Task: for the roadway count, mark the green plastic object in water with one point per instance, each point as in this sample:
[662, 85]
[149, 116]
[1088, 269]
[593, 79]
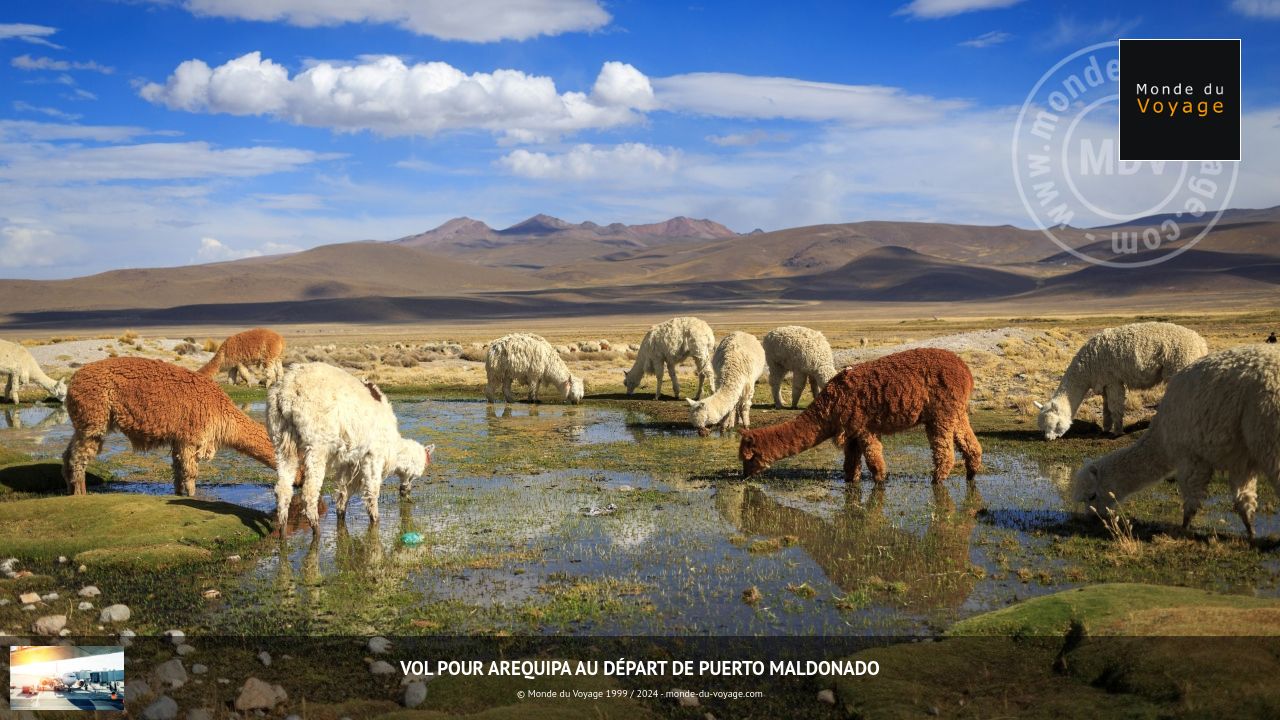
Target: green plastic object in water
[411, 538]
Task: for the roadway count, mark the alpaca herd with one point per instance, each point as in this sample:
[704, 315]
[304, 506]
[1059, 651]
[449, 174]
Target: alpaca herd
[1220, 412]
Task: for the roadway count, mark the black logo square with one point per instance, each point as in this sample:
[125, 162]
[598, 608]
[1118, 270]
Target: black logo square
[1180, 100]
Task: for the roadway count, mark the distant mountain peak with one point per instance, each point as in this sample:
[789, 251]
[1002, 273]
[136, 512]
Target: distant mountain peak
[685, 227]
[537, 225]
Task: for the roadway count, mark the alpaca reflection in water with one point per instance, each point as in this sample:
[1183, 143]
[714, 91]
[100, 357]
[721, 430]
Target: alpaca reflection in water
[859, 548]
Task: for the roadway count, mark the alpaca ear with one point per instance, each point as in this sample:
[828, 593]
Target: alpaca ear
[429, 450]
[1039, 405]
[692, 403]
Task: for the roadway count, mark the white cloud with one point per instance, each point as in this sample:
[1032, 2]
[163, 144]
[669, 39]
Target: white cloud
[747, 139]
[34, 34]
[750, 96]
[43, 163]
[80, 94]
[214, 250]
[987, 39]
[475, 21]
[1258, 8]
[26, 62]
[628, 161]
[289, 201]
[933, 9]
[23, 106]
[27, 245]
[388, 97]
[37, 131]
[1070, 31]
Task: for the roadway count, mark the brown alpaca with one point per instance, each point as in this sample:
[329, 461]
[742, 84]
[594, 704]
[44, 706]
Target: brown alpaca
[927, 387]
[259, 346]
[156, 404]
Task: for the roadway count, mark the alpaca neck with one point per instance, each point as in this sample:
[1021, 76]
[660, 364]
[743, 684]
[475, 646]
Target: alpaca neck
[37, 376]
[1073, 388]
[1137, 466]
[725, 398]
[244, 435]
[214, 365]
[789, 438]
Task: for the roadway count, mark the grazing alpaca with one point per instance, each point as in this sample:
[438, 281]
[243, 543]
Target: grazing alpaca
[668, 344]
[1221, 413]
[532, 360]
[155, 404]
[802, 352]
[259, 346]
[322, 417]
[17, 363]
[738, 363]
[885, 396]
[1136, 357]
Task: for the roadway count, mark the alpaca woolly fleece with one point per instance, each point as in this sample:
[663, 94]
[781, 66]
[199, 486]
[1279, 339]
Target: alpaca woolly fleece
[1222, 413]
[156, 404]
[322, 418]
[801, 351]
[259, 347]
[1128, 357]
[531, 360]
[738, 363]
[668, 344]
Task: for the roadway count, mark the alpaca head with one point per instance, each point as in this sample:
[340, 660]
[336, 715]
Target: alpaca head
[700, 416]
[573, 390]
[752, 461]
[412, 459]
[1055, 417]
[631, 379]
[59, 391]
[1092, 486]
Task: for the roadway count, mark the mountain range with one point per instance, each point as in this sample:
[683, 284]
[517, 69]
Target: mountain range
[545, 266]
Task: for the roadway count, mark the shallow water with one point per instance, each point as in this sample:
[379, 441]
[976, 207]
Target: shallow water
[514, 550]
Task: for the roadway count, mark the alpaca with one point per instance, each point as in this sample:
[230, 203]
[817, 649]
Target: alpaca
[1220, 413]
[531, 359]
[321, 417]
[1136, 356]
[666, 345]
[804, 353]
[16, 362]
[884, 396]
[154, 404]
[738, 363]
[259, 346]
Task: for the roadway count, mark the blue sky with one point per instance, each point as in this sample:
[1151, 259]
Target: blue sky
[176, 131]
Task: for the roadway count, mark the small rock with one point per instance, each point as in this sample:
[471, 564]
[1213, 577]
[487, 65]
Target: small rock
[164, 708]
[256, 694]
[292, 717]
[22, 574]
[9, 566]
[114, 613]
[827, 697]
[381, 667]
[198, 669]
[4, 601]
[233, 558]
[49, 624]
[83, 568]
[185, 649]
[62, 559]
[415, 694]
[223, 681]
[212, 594]
[379, 645]
[709, 716]
[137, 690]
[200, 714]
[933, 710]
[90, 591]
[29, 598]
[49, 597]
[171, 673]
[64, 632]
[85, 605]
[28, 608]
[264, 657]
[625, 488]
[686, 699]
[175, 636]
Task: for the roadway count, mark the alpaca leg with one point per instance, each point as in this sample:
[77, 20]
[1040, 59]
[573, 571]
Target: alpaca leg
[245, 376]
[873, 451]
[1193, 485]
[506, 390]
[313, 470]
[970, 448]
[853, 451]
[675, 382]
[658, 369]
[11, 389]
[79, 452]
[288, 475]
[371, 478]
[185, 469]
[797, 388]
[815, 387]
[1113, 397]
[944, 451]
[342, 491]
[744, 406]
[489, 389]
[1245, 489]
[776, 376]
[703, 376]
[535, 386]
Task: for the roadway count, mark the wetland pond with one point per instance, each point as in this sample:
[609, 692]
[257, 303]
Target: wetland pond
[510, 544]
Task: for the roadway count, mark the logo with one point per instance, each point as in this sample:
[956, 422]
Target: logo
[1095, 206]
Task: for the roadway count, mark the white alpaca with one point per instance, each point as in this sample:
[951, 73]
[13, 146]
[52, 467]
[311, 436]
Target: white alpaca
[324, 418]
[668, 344]
[802, 352]
[531, 360]
[1129, 357]
[738, 363]
[1221, 413]
[17, 363]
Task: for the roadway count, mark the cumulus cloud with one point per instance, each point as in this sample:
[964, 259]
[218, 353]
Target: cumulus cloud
[1258, 8]
[26, 62]
[214, 250]
[589, 162]
[387, 96]
[475, 21]
[933, 9]
[750, 96]
[44, 163]
[987, 39]
[29, 245]
[34, 34]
